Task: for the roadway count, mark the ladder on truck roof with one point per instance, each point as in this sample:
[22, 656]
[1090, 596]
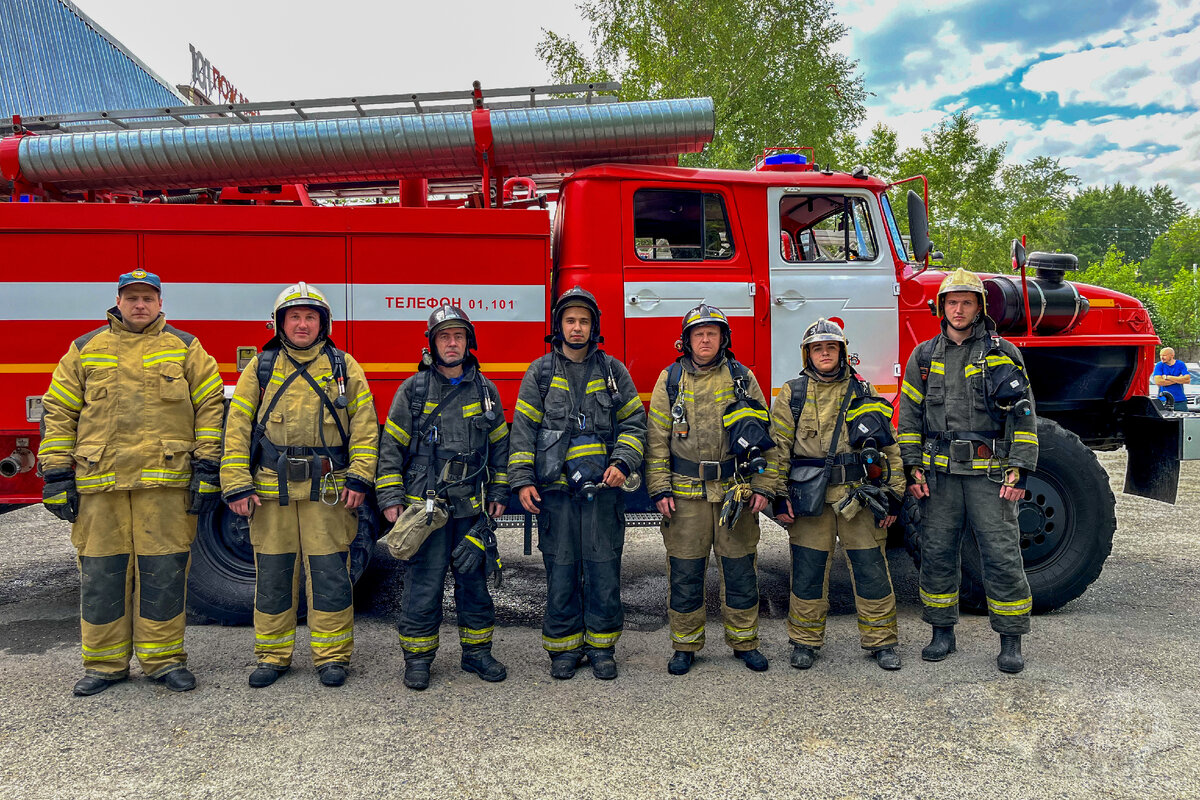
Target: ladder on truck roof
[381, 105]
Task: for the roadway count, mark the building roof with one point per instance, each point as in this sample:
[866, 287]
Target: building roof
[57, 60]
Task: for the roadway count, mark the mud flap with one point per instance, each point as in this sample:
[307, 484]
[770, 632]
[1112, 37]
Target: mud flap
[1156, 441]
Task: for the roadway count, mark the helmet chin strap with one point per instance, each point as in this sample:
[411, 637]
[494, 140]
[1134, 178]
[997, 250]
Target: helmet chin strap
[574, 346]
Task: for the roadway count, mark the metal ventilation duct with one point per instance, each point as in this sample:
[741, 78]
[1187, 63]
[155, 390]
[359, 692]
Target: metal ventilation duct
[432, 145]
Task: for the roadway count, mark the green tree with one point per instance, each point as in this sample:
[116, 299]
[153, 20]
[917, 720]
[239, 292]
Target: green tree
[1180, 306]
[1112, 271]
[964, 194]
[771, 67]
[1123, 216]
[1034, 199]
[1178, 248]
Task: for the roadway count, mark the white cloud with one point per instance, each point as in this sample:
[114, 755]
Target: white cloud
[1162, 71]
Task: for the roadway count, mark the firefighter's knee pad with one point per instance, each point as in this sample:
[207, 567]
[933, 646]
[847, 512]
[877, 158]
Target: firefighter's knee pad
[102, 588]
[870, 574]
[330, 583]
[741, 581]
[687, 584]
[163, 580]
[808, 572]
[273, 585]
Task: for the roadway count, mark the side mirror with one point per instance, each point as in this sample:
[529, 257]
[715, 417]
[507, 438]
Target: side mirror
[1018, 255]
[918, 226]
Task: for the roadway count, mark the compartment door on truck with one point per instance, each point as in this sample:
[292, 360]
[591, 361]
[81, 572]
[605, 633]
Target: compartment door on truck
[829, 258]
[680, 250]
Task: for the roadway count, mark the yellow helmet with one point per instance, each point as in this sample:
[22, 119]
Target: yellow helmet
[961, 280]
[303, 294]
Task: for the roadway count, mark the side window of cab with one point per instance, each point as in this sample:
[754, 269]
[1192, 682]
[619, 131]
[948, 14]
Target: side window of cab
[681, 225]
[826, 228]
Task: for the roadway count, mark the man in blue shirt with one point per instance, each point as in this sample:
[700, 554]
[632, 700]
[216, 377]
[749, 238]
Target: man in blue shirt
[1170, 375]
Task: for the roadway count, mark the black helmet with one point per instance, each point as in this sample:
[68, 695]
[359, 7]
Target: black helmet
[576, 296]
[823, 330]
[448, 316]
[704, 314]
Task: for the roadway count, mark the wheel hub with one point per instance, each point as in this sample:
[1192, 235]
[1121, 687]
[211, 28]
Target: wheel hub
[1044, 520]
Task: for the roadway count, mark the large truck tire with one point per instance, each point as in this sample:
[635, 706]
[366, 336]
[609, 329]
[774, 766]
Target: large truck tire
[1067, 521]
[221, 581]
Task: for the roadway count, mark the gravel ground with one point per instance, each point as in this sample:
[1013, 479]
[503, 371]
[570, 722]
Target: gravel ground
[1108, 707]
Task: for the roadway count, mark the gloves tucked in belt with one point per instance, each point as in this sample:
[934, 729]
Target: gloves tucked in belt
[479, 548]
[59, 494]
[205, 488]
[734, 501]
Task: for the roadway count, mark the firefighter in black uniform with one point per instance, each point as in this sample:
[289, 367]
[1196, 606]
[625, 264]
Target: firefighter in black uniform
[968, 438]
[579, 432]
[445, 443]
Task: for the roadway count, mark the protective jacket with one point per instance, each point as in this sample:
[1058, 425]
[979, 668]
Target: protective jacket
[300, 420]
[456, 445]
[131, 410]
[705, 394]
[944, 397]
[614, 413]
[810, 436]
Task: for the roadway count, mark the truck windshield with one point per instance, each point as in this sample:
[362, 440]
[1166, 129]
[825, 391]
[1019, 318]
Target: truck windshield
[893, 230]
[826, 227]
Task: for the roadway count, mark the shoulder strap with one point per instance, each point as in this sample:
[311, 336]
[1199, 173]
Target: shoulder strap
[740, 375]
[545, 375]
[418, 393]
[799, 396]
[674, 375]
[925, 357]
[266, 365]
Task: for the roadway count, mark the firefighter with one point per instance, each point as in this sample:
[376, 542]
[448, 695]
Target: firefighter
[446, 442]
[132, 433]
[812, 417]
[579, 432]
[301, 444]
[968, 438]
[694, 475]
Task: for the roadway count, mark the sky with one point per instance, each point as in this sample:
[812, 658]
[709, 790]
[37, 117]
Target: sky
[1109, 87]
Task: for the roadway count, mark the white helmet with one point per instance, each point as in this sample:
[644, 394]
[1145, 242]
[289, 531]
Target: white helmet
[304, 294]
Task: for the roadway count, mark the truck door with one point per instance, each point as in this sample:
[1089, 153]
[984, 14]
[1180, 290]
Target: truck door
[680, 250]
[829, 258]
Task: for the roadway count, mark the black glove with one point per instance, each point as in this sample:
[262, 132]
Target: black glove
[205, 488]
[479, 548]
[59, 495]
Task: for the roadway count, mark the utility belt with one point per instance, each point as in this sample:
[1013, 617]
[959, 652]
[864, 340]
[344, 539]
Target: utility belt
[704, 470]
[300, 464]
[846, 468]
[453, 468]
[979, 452]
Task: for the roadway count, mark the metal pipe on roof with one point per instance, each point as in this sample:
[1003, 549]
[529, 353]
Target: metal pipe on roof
[526, 141]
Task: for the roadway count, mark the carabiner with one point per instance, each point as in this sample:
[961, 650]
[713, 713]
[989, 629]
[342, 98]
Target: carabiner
[329, 488]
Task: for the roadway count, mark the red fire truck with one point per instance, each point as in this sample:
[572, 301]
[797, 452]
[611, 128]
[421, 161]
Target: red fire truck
[228, 206]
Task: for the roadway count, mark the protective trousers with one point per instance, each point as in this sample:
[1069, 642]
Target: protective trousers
[134, 551]
[812, 542]
[321, 535]
[581, 543]
[954, 502]
[691, 532]
[425, 586]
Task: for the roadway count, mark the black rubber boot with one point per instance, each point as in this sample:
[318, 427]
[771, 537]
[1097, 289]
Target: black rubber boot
[1010, 658]
[563, 665]
[179, 680]
[941, 645]
[93, 684]
[604, 663]
[480, 661]
[265, 675]
[887, 658]
[753, 659]
[332, 674]
[802, 656]
[681, 662]
[416, 674]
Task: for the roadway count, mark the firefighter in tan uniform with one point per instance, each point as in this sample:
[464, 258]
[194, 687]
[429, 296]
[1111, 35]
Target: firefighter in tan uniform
[695, 480]
[968, 436]
[301, 445]
[843, 421]
[132, 432]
